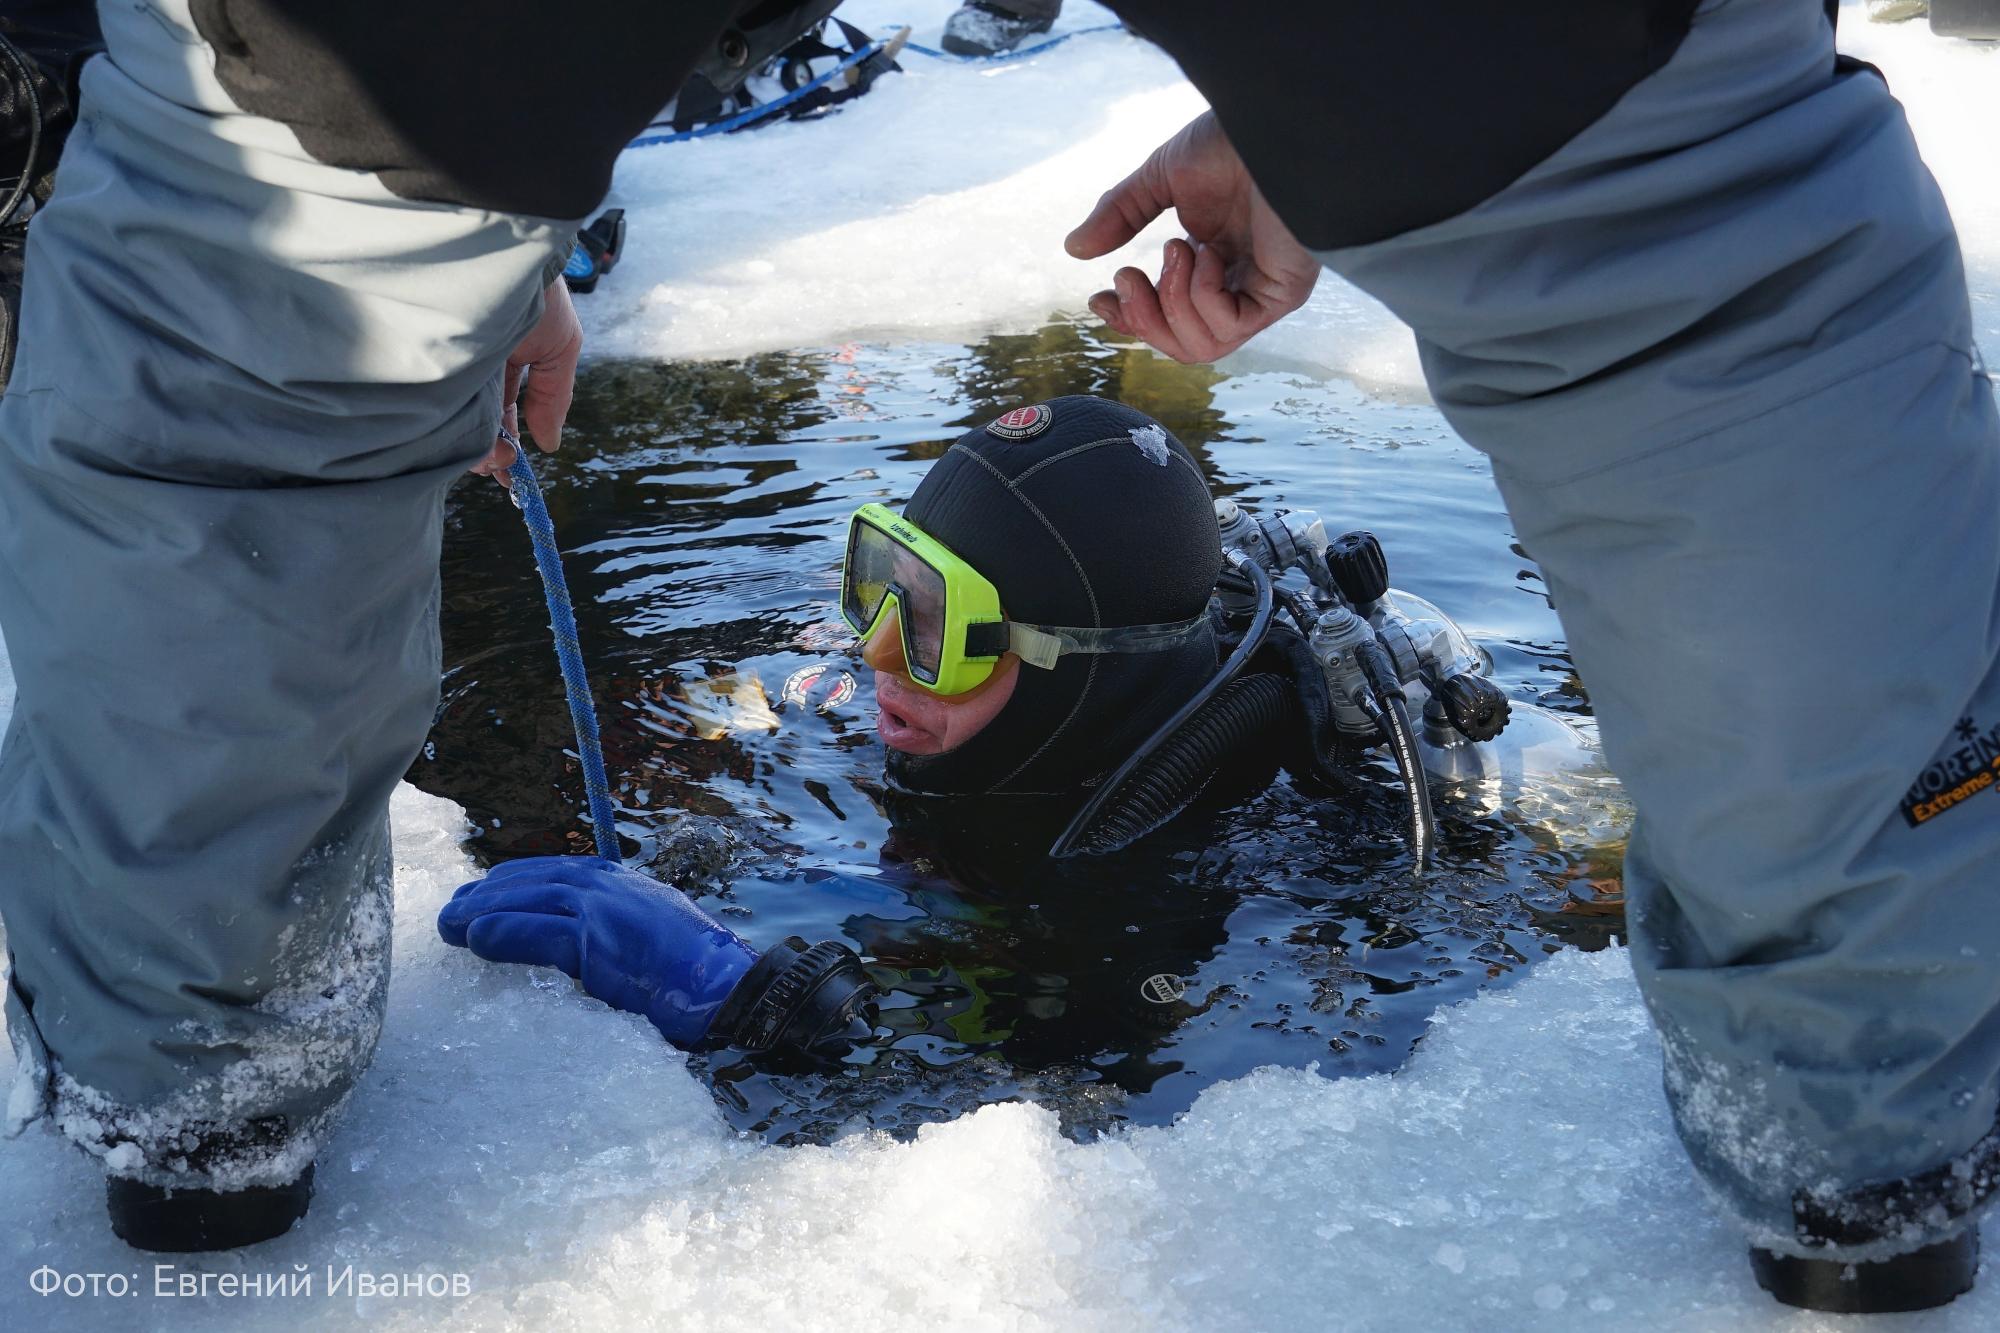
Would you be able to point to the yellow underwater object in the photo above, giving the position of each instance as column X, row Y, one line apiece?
column 732, row 704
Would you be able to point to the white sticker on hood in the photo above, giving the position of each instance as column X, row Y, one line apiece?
column 1152, row 442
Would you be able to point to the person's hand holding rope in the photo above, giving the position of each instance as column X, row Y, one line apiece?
column 539, row 383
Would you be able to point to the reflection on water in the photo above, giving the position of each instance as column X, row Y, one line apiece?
column 701, row 510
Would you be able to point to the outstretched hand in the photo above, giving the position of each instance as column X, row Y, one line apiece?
column 540, row 381
column 1239, row 272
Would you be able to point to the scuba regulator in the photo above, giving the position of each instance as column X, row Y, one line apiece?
column 1363, row 660
column 1374, row 642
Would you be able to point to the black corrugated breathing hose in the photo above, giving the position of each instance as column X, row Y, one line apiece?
column 1073, row 837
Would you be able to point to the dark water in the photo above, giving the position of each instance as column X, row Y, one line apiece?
column 701, row 509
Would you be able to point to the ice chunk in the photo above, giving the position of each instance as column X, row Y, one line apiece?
column 1152, row 442
column 728, row 704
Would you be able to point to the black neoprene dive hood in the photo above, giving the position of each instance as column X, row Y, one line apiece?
column 1082, row 512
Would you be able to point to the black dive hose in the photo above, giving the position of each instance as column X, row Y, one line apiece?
column 1259, row 705
column 1069, row 843
column 12, row 54
column 1302, row 612
column 1394, row 708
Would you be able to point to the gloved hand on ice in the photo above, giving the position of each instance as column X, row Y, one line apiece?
column 634, row 943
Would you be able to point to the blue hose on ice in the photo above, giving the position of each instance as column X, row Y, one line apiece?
column 527, row 493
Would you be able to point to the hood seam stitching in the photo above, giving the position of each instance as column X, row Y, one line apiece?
column 1083, row 575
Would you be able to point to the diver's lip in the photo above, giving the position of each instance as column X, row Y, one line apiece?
column 896, row 722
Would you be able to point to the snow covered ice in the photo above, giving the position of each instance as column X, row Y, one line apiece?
column 937, row 204
column 1520, row 1172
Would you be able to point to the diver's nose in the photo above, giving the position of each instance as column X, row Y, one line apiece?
column 884, row 649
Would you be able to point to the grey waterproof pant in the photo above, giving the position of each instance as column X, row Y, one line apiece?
column 1719, row 351
column 245, row 382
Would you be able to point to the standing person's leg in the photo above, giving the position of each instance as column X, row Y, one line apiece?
column 1790, row 627
column 1683, row 276
column 245, row 381
column 1718, row 346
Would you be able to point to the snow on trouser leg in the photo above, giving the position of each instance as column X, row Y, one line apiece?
column 1719, row 349
column 218, row 689
column 223, row 455
column 1790, row 626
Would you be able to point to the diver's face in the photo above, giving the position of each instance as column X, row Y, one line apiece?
column 915, row 721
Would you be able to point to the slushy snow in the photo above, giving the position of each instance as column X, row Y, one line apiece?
column 1519, row 1172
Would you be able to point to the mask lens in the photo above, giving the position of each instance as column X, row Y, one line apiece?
column 871, row 564
column 923, row 612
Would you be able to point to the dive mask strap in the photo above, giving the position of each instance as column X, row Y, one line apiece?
column 1041, row 645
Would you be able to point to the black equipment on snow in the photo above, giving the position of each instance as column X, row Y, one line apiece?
column 778, row 39
column 1966, row 18
column 981, row 29
column 597, row 251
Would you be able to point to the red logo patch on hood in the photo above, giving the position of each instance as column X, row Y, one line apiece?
column 1023, row 423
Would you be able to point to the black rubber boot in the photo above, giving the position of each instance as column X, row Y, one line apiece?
column 184, row 1221
column 1920, row 1280
column 1966, row 18
column 988, row 30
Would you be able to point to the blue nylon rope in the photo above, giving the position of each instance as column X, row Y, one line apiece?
column 527, row 493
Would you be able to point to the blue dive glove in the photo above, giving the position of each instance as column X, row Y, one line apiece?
column 641, row 946
column 633, row 942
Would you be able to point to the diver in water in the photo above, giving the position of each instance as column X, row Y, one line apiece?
column 1054, row 568
column 1063, row 617
column 1062, row 610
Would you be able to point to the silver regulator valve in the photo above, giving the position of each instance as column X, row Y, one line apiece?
column 1426, row 647
column 1289, row 539
column 1353, row 570
column 1336, row 641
